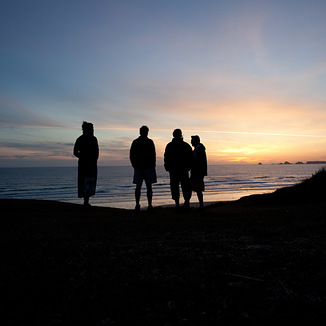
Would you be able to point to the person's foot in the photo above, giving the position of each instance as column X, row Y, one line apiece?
column 137, row 208
column 150, row 208
column 186, row 205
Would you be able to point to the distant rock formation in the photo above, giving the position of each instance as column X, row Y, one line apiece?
column 316, row 162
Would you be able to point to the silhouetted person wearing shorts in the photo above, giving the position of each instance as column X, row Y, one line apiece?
column 198, row 169
column 177, row 161
column 143, row 159
column 87, row 150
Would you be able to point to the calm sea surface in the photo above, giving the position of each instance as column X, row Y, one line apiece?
column 115, row 188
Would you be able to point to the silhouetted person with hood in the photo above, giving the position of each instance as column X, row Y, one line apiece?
column 87, row 150
column 198, row 169
column 143, row 159
column 177, row 161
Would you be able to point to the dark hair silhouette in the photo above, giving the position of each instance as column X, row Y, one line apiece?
column 196, row 138
column 143, row 131
column 177, row 133
column 87, row 126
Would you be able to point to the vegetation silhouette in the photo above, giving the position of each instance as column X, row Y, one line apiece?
column 310, row 190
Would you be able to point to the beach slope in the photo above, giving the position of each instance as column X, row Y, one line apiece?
column 235, row 263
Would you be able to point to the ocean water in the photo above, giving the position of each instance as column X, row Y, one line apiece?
column 115, row 188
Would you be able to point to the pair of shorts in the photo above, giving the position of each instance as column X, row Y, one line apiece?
column 149, row 175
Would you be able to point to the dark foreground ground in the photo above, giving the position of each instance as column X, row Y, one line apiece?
column 235, row 263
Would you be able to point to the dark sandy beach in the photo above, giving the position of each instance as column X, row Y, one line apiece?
column 236, row 263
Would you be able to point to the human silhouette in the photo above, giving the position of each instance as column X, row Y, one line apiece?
column 87, row 150
column 198, row 169
column 177, row 161
column 143, row 159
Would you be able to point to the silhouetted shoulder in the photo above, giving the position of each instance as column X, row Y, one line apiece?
column 142, row 153
column 178, row 155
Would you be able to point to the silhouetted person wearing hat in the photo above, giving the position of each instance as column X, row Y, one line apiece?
column 177, row 161
column 87, row 150
column 198, row 169
column 143, row 159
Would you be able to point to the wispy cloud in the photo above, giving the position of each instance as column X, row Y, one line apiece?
column 244, row 75
column 13, row 114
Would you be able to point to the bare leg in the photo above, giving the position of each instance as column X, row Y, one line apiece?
column 200, row 199
column 137, row 195
column 149, row 194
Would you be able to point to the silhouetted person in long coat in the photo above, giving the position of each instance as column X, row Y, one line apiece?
column 143, row 159
column 87, row 150
column 198, row 169
column 177, row 161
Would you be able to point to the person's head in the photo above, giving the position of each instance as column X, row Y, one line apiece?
column 143, row 131
column 87, row 127
column 195, row 140
column 177, row 133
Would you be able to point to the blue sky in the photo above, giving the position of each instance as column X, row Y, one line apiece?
column 249, row 77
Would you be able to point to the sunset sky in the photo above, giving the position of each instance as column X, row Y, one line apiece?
column 249, row 77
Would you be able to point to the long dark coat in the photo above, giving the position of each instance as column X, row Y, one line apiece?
column 87, row 150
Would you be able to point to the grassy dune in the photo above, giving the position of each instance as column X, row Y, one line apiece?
column 259, row 260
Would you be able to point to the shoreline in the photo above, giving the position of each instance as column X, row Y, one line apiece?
column 229, row 196
column 220, row 187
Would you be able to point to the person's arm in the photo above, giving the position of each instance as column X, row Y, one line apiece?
column 132, row 154
column 76, row 149
column 166, row 158
column 97, row 150
column 153, row 154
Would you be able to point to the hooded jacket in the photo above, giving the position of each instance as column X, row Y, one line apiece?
column 199, row 161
